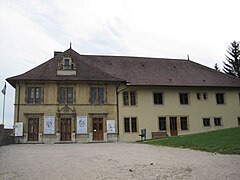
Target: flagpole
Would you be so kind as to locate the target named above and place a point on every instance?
(3, 107)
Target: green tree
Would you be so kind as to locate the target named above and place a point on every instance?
(232, 64)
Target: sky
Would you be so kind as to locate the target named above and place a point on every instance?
(31, 30)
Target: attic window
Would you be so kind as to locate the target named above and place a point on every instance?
(66, 67)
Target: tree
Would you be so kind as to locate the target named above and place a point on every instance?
(232, 66)
(216, 67)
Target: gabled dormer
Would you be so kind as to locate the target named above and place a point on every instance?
(66, 67)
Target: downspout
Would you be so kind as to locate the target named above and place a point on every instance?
(18, 102)
(117, 93)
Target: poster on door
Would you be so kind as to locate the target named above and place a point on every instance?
(81, 124)
(18, 128)
(49, 124)
(111, 126)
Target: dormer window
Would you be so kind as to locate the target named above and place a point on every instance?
(66, 67)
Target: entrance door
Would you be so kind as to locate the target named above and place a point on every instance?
(173, 126)
(97, 129)
(33, 129)
(65, 130)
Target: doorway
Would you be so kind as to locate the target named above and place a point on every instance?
(33, 129)
(97, 129)
(65, 130)
(173, 126)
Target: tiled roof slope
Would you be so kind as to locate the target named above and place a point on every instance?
(135, 70)
(48, 71)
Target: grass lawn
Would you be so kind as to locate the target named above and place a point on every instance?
(225, 141)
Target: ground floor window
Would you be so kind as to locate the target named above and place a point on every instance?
(217, 121)
(206, 122)
(162, 123)
(239, 121)
(184, 123)
(130, 124)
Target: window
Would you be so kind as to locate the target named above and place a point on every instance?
(162, 123)
(134, 124)
(239, 121)
(217, 121)
(206, 122)
(66, 64)
(34, 95)
(127, 124)
(202, 96)
(66, 95)
(184, 123)
(132, 95)
(183, 98)
(158, 98)
(130, 121)
(97, 95)
(220, 98)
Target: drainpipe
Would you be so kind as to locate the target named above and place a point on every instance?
(117, 94)
(18, 102)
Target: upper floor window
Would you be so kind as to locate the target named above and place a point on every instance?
(129, 98)
(66, 95)
(202, 96)
(220, 98)
(158, 98)
(97, 95)
(34, 95)
(183, 97)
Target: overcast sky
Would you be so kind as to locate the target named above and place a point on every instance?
(32, 30)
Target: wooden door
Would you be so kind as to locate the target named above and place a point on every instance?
(97, 129)
(65, 130)
(173, 126)
(33, 129)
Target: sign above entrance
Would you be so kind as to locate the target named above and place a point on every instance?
(81, 124)
(111, 126)
(18, 129)
(49, 124)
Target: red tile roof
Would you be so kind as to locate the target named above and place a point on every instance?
(135, 70)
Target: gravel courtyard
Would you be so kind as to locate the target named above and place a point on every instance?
(113, 161)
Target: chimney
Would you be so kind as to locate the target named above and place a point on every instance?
(57, 53)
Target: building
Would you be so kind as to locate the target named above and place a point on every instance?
(86, 98)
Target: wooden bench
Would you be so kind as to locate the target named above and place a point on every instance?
(156, 135)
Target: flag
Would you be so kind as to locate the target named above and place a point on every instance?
(4, 89)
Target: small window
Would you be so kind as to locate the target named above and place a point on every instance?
(238, 121)
(127, 124)
(158, 98)
(184, 123)
(220, 98)
(130, 121)
(134, 124)
(96, 95)
(66, 95)
(183, 98)
(126, 100)
(162, 123)
(205, 96)
(34, 95)
(198, 96)
(206, 122)
(217, 121)
(133, 98)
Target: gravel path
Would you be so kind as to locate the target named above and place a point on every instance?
(113, 161)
